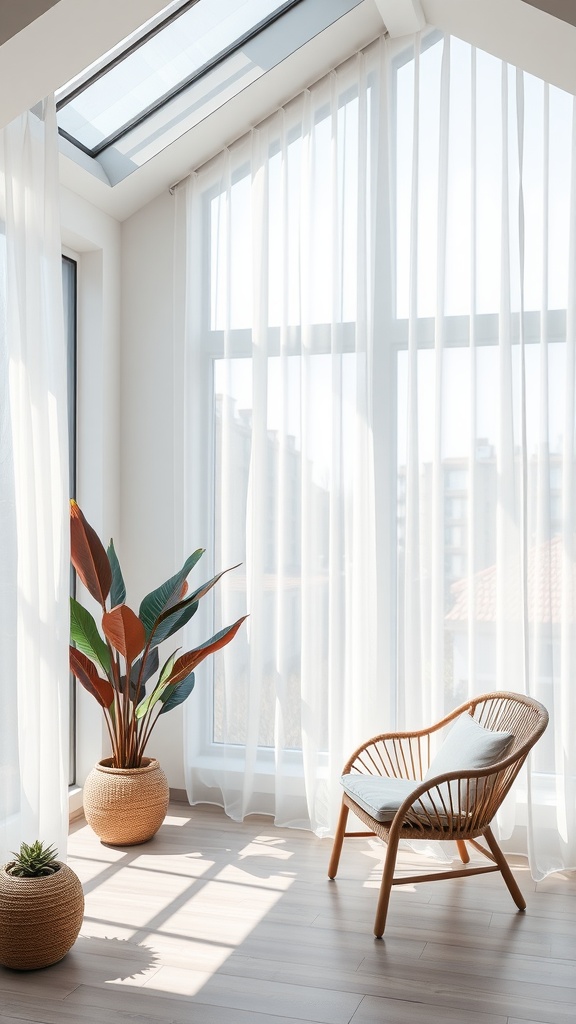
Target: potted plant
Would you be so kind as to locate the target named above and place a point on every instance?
(126, 795)
(41, 908)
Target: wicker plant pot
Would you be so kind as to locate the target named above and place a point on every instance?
(126, 806)
(39, 918)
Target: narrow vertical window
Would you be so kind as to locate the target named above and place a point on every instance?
(69, 289)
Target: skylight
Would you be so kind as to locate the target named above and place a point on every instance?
(153, 68)
(175, 71)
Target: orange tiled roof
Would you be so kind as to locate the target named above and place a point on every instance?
(544, 585)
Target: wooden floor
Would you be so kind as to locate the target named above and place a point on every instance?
(220, 923)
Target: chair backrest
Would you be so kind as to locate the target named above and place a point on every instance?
(515, 713)
(468, 806)
(509, 712)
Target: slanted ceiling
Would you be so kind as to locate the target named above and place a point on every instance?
(17, 14)
(565, 10)
(47, 43)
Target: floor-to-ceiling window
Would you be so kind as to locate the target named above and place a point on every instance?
(387, 347)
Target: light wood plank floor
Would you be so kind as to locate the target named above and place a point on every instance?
(219, 923)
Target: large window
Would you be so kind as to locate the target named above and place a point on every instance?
(388, 349)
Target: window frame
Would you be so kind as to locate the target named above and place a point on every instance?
(70, 308)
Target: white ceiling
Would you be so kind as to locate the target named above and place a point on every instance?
(79, 31)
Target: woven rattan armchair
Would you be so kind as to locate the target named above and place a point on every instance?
(457, 805)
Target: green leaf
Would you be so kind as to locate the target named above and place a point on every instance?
(118, 589)
(169, 620)
(150, 667)
(158, 600)
(211, 583)
(84, 633)
(167, 668)
(174, 695)
(147, 704)
(174, 621)
(34, 861)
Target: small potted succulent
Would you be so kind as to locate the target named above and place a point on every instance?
(41, 908)
(126, 795)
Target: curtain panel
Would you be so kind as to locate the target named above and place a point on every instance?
(379, 379)
(34, 619)
(288, 249)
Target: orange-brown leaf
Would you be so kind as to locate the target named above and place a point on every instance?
(188, 662)
(125, 631)
(89, 556)
(87, 674)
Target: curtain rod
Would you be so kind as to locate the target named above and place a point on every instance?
(177, 184)
(384, 35)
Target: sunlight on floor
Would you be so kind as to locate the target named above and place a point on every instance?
(178, 899)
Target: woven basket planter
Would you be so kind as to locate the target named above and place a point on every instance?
(39, 918)
(126, 806)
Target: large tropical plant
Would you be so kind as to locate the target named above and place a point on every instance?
(120, 666)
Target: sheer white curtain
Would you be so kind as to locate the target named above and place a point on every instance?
(381, 344)
(34, 498)
(485, 175)
(287, 335)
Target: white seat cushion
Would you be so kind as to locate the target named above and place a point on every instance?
(378, 795)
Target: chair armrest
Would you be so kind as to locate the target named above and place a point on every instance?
(396, 755)
(460, 801)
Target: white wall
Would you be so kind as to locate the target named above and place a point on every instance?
(125, 420)
(148, 548)
(95, 239)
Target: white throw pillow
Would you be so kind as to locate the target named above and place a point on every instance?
(469, 747)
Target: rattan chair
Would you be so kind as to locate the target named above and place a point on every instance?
(457, 805)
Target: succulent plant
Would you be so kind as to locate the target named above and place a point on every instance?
(34, 861)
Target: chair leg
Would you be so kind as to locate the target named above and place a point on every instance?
(463, 851)
(338, 840)
(505, 869)
(385, 887)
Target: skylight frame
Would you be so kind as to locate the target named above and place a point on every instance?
(170, 94)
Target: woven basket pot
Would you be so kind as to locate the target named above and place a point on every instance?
(126, 806)
(39, 918)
